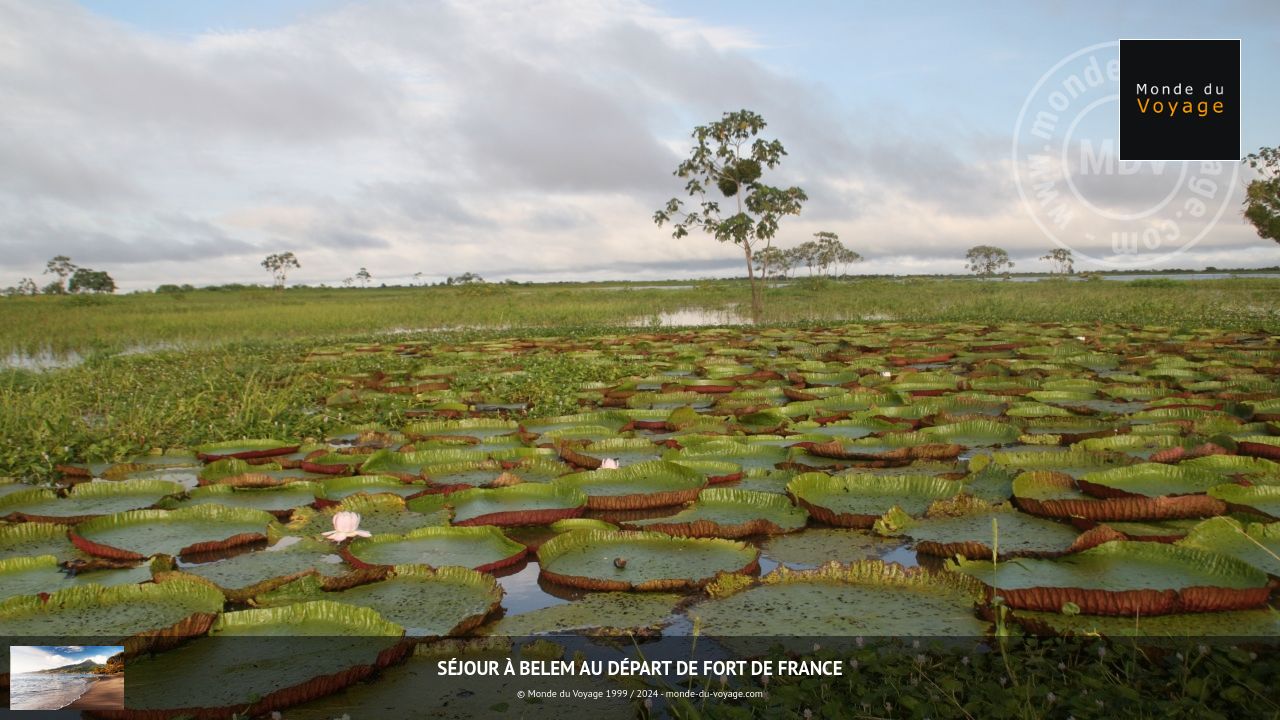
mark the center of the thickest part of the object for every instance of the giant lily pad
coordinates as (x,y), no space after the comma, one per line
(636,487)
(482,548)
(42,574)
(972,529)
(866,598)
(416,688)
(1252,624)
(1255,543)
(523,504)
(330,645)
(857,500)
(1055,494)
(1148,480)
(279,500)
(379,514)
(145,614)
(410,465)
(87,500)
(244,449)
(138,534)
(425,601)
(819,546)
(31,538)
(604,614)
(617,560)
(974,433)
(1125,578)
(729,513)
(340,487)
(1263,499)
(244,575)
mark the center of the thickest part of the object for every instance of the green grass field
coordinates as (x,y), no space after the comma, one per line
(91,323)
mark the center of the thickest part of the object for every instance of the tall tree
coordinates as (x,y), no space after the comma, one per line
(1060,260)
(771,258)
(729,156)
(364,277)
(62,267)
(987,260)
(1262,196)
(279,265)
(94,281)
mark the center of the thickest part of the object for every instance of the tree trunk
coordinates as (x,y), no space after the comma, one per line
(757,302)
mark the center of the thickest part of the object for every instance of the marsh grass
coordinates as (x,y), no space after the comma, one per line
(32,325)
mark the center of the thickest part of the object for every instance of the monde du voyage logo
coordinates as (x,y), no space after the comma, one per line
(1125,152)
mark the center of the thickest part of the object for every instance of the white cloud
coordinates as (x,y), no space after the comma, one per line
(26,659)
(530,141)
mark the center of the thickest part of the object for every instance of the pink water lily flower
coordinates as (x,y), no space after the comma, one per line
(609,464)
(346,525)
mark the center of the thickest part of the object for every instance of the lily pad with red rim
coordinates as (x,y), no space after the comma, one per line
(522,504)
(244,449)
(483,548)
(857,500)
(729,513)
(86,500)
(1125,578)
(636,487)
(138,534)
(425,601)
(648,561)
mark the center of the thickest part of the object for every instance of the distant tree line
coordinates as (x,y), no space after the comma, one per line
(69,278)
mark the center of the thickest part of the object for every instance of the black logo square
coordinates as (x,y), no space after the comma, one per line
(1180,100)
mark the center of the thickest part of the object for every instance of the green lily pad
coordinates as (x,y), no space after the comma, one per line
(425,601)
(819,546)
(523,504)
(138,534)
(857,500)
(468,427)
(1125,578)
(972,531)
(243,449)
(1255,543)
(113,613)
(380,514)
(31,575)
(1149,480)
(974,433)
(340,487)
(482,548)
(636,487)
(605,614)
(729,513)
(244,575)
(1252,624)
(222,673)
(273,499)
(411,465)
(416,688)
(31,538)
(868,598)
(1264,499)
(603,560)
(88,499)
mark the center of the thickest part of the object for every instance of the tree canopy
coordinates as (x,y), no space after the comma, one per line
(729,156)
(987,260)
(1262,196)
(279,265)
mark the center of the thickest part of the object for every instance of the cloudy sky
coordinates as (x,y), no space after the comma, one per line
(182,142)
(33,658)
